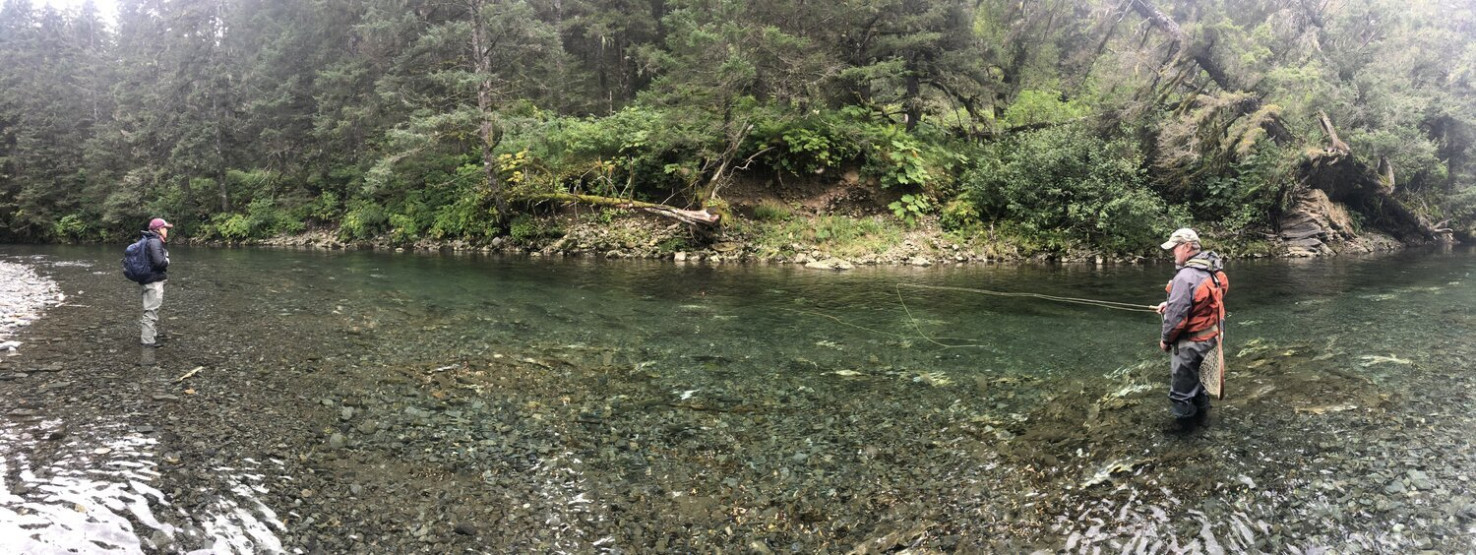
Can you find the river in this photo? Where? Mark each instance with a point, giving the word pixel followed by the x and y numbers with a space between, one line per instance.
pixel 365 402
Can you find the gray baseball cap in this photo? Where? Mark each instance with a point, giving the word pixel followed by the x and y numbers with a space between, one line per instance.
pixel 1179 237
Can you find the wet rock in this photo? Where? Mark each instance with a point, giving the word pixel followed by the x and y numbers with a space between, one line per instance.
pixel 337 441
pixel 161 540
pixel 1465 510
pixel 345 414
pixel 829 264
pixel 417 413
pixel 466 529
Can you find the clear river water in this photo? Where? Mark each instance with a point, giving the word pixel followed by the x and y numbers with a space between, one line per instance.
pixel 366 402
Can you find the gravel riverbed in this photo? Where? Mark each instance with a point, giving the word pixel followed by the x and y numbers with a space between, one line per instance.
pixel 268 424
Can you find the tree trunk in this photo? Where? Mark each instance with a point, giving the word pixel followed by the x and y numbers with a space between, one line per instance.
pixel 1177 41
pixel 483 53
pixel 913 101
pixel 1164 23
pixel 1202 58
pixel 218 112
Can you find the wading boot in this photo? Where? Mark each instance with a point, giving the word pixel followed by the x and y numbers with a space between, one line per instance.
pixel 1201 415
pixel 1184 425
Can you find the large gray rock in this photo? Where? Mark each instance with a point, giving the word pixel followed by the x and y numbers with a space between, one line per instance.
pixel 1313 223
pixel 829 264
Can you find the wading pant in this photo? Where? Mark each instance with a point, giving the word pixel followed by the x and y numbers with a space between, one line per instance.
pixel 153 296
pixel 1185 392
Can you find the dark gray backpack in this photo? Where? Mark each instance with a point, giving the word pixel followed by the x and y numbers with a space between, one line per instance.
pixel 136 261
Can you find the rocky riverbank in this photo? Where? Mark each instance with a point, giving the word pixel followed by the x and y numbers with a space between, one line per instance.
pixel 655 239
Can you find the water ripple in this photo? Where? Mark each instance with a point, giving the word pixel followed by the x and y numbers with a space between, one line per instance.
pixel 98 491
pixel 24 296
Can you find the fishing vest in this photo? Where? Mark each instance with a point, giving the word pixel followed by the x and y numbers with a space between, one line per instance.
pixel 1208 308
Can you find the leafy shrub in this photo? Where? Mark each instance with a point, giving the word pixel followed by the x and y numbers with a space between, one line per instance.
pixel 635 146
pixel 263 218
pixel 70 228
pixel 323 207
pixel 251 184
pixel 1070 183
pixel 272 219
pixel 1241 197
pixel 909 208
pixel 403 227
pixel 413 215
pixel 1460 207
pixel 364 220
pixel 960 214
pixel 1036 106
pixel 467 216
pixel 231 226
pixel 527 227
pixel 1407 148
pixel 811 143
pixel 899 161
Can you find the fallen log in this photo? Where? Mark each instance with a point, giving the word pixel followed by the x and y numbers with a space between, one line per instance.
pixel 695 218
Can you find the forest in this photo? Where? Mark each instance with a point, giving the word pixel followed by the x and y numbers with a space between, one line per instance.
pixel 1059 124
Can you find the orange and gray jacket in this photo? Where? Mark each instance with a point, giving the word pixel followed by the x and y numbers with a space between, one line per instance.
pixel 1196 299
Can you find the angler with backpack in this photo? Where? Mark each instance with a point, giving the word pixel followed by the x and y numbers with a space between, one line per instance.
pixel 1193 325
pixel 146 261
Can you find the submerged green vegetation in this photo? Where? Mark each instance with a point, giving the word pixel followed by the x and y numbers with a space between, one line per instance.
pixel 1050 126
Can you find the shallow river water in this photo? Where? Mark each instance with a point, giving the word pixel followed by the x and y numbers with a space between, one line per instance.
pixel 360 402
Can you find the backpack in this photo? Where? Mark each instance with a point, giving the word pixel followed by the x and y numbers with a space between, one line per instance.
pixel 136 264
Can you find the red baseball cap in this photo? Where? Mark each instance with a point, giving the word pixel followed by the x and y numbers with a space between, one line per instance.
pixel 157 223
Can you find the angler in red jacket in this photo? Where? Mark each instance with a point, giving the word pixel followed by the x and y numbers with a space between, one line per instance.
pixel 1192 321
